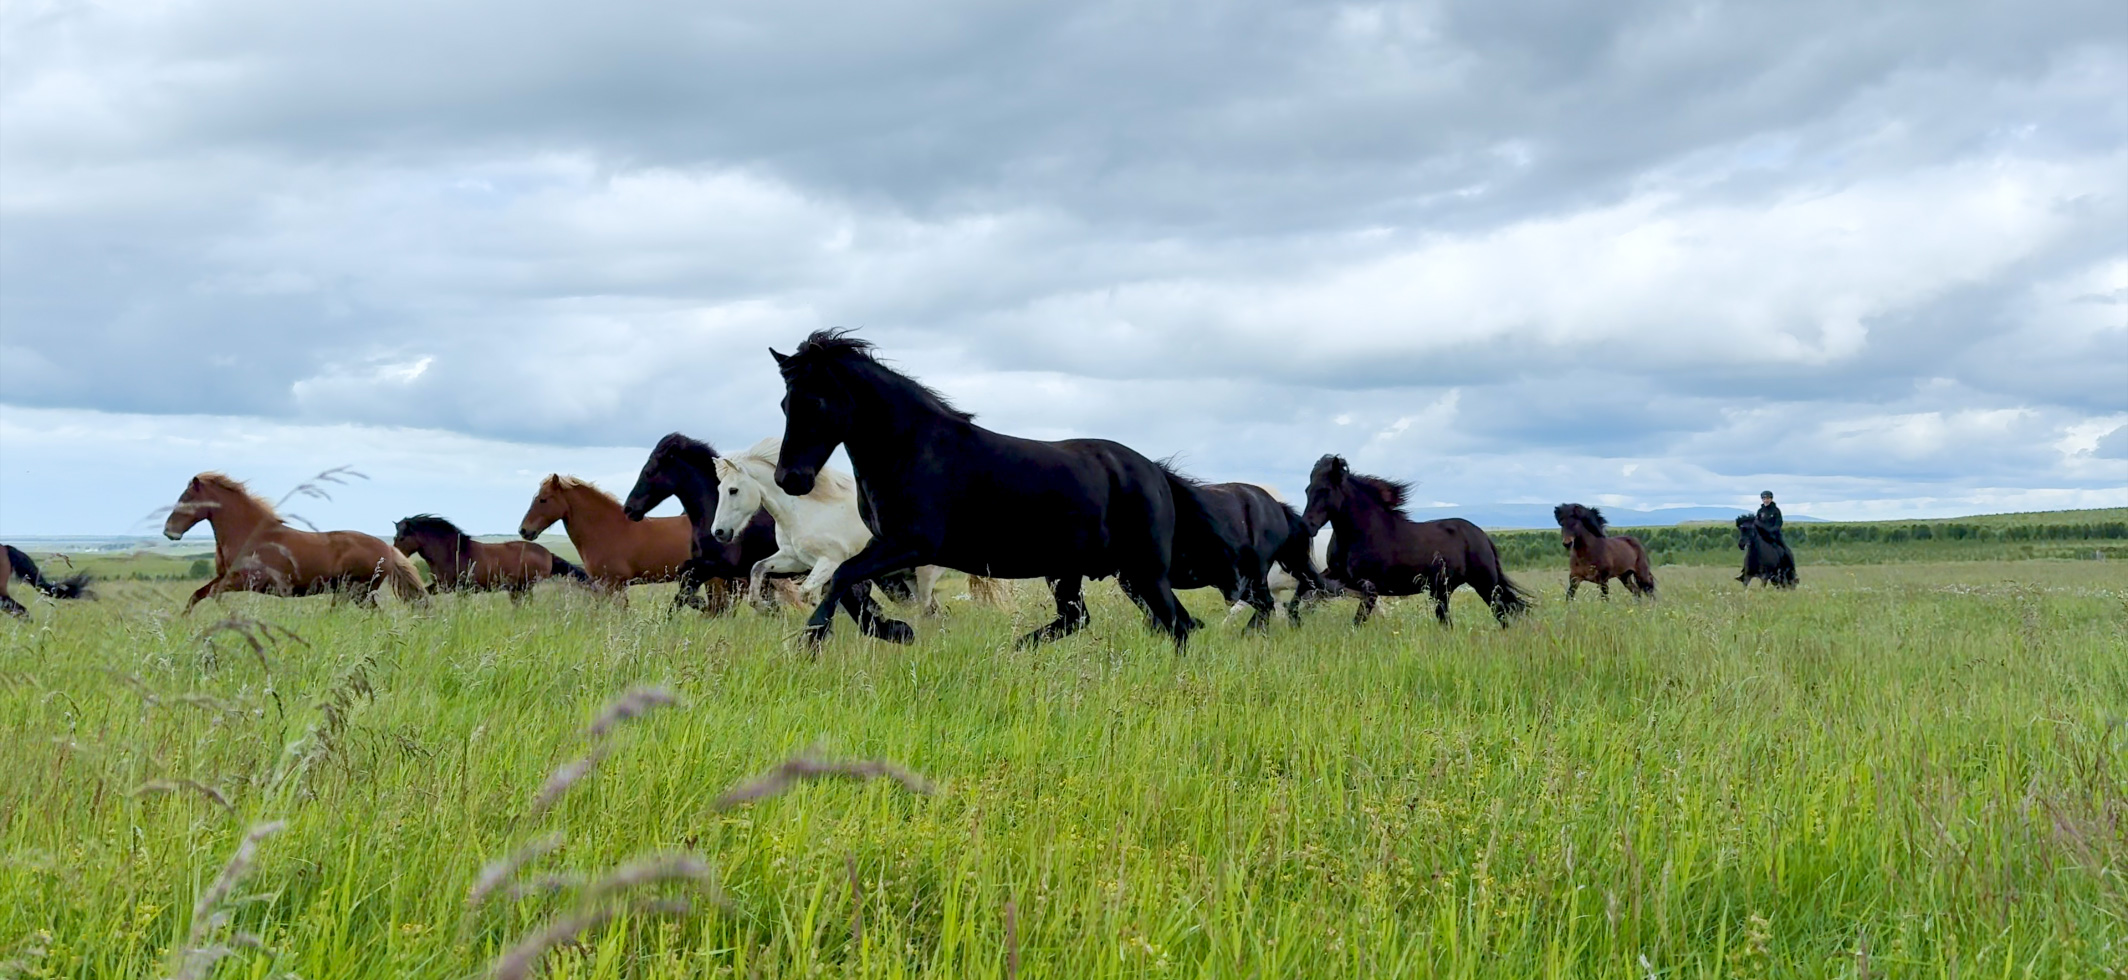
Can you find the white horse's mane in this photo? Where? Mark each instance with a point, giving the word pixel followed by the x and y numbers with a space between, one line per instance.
pixel 830 484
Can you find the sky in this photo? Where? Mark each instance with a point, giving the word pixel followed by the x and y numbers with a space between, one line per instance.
pixel 1637 254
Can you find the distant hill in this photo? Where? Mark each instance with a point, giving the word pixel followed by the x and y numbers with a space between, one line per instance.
pixel 1509 517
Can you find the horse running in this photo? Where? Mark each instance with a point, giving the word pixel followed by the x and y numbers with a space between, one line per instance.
pixel 1257 533
pixel 815 533
pixel 1595 557
pixel 256 551
pixel 685 468
pixel 459 563
pixel 1379 550
pixel 1765 559
pixel 945 491
pixel 616 551
pixel 75 586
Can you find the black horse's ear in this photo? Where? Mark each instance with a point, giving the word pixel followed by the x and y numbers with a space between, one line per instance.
pixel 781 360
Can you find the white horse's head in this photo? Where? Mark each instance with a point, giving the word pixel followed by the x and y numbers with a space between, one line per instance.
pixel 738 499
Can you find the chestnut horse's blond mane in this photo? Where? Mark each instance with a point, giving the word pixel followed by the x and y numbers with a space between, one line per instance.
pixel 561 482
pixel 233 485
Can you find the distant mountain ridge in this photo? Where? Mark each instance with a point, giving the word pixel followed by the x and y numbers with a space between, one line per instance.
pixel 1517 517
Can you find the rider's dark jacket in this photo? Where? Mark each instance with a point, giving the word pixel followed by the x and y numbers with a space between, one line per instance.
pixel 1769 518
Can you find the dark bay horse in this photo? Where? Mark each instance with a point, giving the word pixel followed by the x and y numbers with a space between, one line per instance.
pixel 1594 556
pixel 941 490
pixel 1379 550
pixel 459 563
pixel 616 552
pixel 75 586
pixel 1256 532
pixel 687 468
pixel 1765 559
pixel 256 551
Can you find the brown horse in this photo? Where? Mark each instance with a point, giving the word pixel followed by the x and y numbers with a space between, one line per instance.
pixel 256 551
pixel 19 563
pixel 616 551
pixel 1597 558
pixel 459 563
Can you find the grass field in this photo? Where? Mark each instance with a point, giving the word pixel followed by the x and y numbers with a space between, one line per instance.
pixel 1905 770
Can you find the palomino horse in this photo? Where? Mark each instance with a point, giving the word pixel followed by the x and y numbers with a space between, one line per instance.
pixel 75 586
pixel 945 491
pixel 1765 558
pixel 459 563
pixel 616 551
pixel 256 551
pixel 1595 557
pixel 1379 550
pixel 815 533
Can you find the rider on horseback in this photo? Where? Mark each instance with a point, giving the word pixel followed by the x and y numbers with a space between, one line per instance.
pixel 1769 517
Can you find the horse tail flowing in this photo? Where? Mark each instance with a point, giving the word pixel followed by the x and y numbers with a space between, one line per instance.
pixel 1644 570
pixel 406 581
pixel 562 567
pixel 1508 599
pixel 75 586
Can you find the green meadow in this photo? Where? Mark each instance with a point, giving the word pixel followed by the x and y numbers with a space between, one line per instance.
pixel 1903 769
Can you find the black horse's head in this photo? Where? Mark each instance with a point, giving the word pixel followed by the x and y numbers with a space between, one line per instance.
pixel 817 410
pixel 1747 526
pixel 660 478
pixel 1329 487
pixel 1573 516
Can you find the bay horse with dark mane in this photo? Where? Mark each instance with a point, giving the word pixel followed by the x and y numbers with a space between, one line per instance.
pixel 459 563
pixel 256 551
pixel 1596 557
pixel 616 551
pixel 1379 550
pixel 687 468
pixel 1766 558
pixel 942 490
pixel 74 586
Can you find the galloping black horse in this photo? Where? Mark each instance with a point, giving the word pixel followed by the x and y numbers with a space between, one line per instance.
pixel 685 468
pixel 75 586
pixel 1378 550
pixel 1256 531
pixel 941 490
pixel 1765 558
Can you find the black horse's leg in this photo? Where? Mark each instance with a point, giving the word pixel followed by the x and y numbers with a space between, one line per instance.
pixel 1603 585
pixel 1367 599
pixel 874 559
pixel 1572 583
pixel 870 618
pixel 1071 611
pixel 10 606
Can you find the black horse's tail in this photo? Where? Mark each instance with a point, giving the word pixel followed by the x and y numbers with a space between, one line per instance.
pixel 1197 537
pixel 563 567
pixel 72 587
pixel 1508 599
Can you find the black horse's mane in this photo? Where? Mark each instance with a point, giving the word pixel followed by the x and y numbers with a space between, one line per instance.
pixel 681 442
pixel 1589 517
pixel 1391 493
pixel 461 542
pixel 839 347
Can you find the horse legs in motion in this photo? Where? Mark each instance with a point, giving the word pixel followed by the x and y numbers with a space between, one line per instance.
pixel 1071 612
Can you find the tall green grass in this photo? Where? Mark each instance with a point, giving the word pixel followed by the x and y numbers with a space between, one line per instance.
pixel 1904 771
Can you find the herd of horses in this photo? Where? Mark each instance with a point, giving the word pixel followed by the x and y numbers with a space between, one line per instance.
pixel 930 491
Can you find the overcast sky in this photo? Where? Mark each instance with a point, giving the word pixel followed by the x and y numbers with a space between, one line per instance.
pixel 1874 256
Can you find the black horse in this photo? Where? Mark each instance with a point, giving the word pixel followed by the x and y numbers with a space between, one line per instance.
pixel 1255 531
pixel 1376 549
pixel 1765 557
pixel 75 586
pixel 941 490
pixel 686 468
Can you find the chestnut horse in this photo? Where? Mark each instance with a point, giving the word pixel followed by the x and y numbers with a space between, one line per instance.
pixel 1595 557
pixel 256 551
pixel 616 551
pixel 459 563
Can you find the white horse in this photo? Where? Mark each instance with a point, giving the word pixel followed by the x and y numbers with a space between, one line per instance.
pixel 818 531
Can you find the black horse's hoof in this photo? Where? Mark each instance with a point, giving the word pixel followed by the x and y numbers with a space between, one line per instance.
pixel 894 631
pixel 817 635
